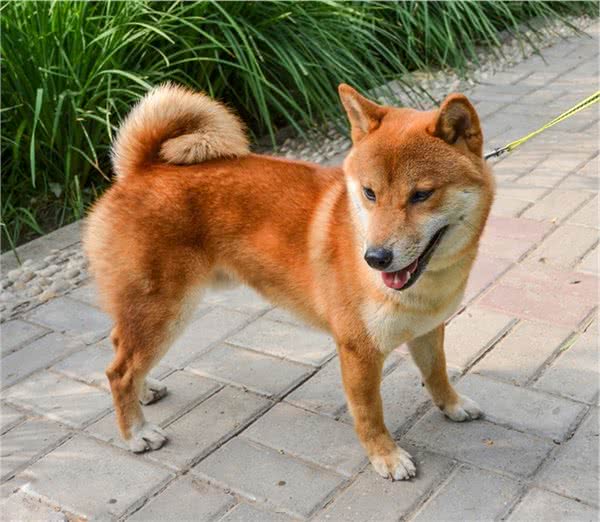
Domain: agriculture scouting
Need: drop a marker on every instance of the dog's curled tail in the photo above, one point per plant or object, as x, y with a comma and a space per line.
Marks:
176, 125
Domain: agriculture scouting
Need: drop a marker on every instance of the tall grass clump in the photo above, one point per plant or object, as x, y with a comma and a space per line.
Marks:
71, 70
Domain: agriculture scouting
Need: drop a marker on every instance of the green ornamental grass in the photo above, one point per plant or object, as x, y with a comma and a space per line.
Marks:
71, 70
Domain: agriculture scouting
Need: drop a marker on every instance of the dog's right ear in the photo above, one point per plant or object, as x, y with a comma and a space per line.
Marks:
364, 115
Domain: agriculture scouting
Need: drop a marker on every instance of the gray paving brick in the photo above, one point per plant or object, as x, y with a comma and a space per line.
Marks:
519, 355
69, 474
66, 315
471, 333
247, 513
552, 251
522, 408
9, 417
15, 333
285, 340
323, 393
575, 372
574, 470
470, 494
372, 499
508, 207
201, 334
579, 182
480, 443
60, 399
87, 294
587, 215
514, 191
35, 356
24, 508
208, 425
258, 372
283, 316
184, 391
269, 477
314, 438
27, 441
590, 262
186, 499
88, 365
241, 298
555, 206
543, 505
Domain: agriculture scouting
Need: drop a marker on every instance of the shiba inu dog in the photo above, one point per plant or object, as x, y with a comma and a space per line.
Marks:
376, 252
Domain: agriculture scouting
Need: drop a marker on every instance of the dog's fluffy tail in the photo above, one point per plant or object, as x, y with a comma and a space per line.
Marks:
175, 125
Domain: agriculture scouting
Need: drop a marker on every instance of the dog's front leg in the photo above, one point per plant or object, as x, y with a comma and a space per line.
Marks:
361, 373
428, 353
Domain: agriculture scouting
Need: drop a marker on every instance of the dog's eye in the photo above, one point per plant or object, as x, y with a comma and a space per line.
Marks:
369, 194
420, 195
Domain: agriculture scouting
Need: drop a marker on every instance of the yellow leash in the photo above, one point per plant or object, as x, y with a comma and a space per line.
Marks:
594, 98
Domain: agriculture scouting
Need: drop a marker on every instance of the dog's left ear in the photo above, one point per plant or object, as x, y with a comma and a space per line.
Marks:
364, 115
457, 122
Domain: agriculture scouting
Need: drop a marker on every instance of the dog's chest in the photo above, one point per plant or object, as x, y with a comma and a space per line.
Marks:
391, 325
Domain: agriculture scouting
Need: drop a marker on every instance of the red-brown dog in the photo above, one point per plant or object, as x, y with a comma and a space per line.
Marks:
377, 252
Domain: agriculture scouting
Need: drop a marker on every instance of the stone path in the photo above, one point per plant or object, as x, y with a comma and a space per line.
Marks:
259, 429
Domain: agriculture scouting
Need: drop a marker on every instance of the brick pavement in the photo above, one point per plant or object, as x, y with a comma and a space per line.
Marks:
260, 432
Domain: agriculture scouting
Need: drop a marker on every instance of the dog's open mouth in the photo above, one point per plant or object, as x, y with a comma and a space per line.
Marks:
408, 276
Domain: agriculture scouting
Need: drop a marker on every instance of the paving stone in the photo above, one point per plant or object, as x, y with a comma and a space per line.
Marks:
16, 333
269, 477
201, 334
543, 505
471, 333
519, 355
470, 494
544, 294
510, 238
208, 425
9, 417
283, 316
589, 263
481, 443
60, 399
574, 470
66, 315
575, 373
514, 191
35, 356
485, 271
314, 438
88, 365
184, 391
508, 207
556, 206
287, 341
552, 251
26, 442
579, 182
587, 216
372, 499
521, 408
119, 481
241, 298
23, 508
87, 294
186, 499
323, 393
248, 369
247, 513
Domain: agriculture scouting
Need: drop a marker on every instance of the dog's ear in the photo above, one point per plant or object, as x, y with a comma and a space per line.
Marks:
457, 122
364, 115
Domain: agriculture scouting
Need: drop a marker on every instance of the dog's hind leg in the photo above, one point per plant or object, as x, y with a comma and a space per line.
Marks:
142, 335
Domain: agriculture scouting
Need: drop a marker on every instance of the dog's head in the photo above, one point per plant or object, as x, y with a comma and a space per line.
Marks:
418, 184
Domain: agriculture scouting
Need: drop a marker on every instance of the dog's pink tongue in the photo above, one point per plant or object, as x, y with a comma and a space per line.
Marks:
397, 280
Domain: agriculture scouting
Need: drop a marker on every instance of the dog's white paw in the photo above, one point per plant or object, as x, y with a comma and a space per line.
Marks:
464, 410
153, 391
397, 465
146, 438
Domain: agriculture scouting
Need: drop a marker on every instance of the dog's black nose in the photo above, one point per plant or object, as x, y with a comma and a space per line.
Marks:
379, 258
